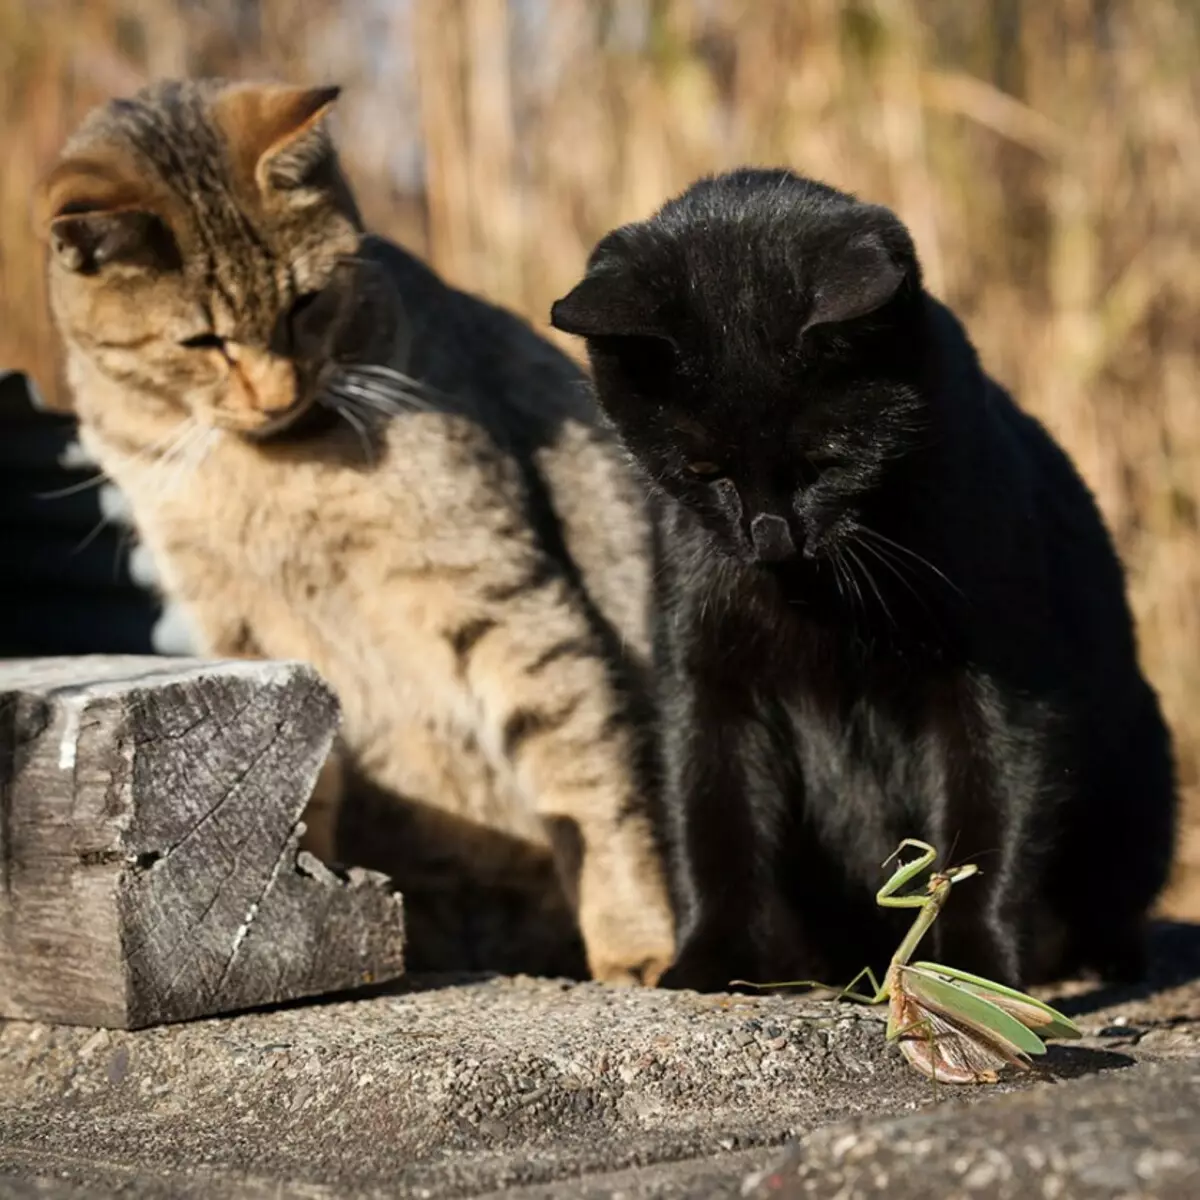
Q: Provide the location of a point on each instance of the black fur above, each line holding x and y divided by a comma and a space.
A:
889, 606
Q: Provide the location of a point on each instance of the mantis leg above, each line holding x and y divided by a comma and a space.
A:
924, 1026
921, 1023
880, 994
886, 896
929, 901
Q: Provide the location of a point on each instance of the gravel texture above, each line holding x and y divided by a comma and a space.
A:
535, 1088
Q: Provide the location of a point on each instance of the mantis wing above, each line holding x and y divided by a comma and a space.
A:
1047, 1022
944, 1050
981, 1017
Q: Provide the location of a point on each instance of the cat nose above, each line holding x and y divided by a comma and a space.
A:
772, 538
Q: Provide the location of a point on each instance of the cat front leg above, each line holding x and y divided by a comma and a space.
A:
731, 921
998, 807
555, 714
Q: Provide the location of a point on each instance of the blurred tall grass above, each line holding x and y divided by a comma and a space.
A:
1045, 153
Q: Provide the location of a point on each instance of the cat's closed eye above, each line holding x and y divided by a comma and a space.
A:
704, 470
203, 341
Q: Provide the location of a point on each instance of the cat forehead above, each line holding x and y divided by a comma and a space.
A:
201, 137
752, 223
166, 129
743, 263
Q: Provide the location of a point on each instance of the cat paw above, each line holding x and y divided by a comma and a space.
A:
627, 972
625, 913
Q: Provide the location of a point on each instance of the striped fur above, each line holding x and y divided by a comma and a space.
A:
335, 457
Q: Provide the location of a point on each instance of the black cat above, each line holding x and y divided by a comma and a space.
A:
888, 605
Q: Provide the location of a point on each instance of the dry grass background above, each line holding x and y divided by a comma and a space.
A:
1045, 153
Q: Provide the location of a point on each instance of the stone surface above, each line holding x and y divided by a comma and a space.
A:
149, 827
531, 1088
1134, 1134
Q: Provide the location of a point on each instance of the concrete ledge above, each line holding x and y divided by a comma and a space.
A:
540, 1089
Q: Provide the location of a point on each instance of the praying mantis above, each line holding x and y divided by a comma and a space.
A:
951, 1026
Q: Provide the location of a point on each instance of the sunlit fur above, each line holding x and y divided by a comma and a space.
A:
889, 606
335, 457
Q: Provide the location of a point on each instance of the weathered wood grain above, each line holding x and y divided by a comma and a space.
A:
149, 821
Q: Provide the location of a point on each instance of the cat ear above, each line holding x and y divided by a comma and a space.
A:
275, 131
608, 302
863, 277
93, 210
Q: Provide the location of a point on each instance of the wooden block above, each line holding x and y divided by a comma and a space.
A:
149, 820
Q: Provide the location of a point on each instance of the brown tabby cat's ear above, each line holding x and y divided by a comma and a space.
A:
94, 210
274, 131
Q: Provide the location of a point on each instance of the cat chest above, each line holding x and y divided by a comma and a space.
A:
859, 752
326, 575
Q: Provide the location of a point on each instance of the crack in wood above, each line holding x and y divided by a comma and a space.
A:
251, 913
102, 923
230, 792
165, 991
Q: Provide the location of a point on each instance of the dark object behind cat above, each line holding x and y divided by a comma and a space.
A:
889, 605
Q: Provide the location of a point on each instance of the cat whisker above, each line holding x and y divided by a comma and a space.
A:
360, 429
895, 565
357, 411
204, 449
407, 398
837, 576
874, 533
851, 578
389, 400
163, 464
185, 457
862, 566
91, 536
390, 380
167, 445
165, 449
392, 376
73, 489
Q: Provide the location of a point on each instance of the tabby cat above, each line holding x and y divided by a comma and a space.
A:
335, 457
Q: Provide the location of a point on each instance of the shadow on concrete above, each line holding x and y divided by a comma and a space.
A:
476, 899
1174, 962
1064, 1061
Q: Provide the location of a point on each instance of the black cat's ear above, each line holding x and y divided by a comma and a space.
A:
608, 302
863, 276
93, 210
276, 132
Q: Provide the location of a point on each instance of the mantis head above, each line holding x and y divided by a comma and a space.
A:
958, 874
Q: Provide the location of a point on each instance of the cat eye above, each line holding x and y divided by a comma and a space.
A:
704, 470
204, 341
